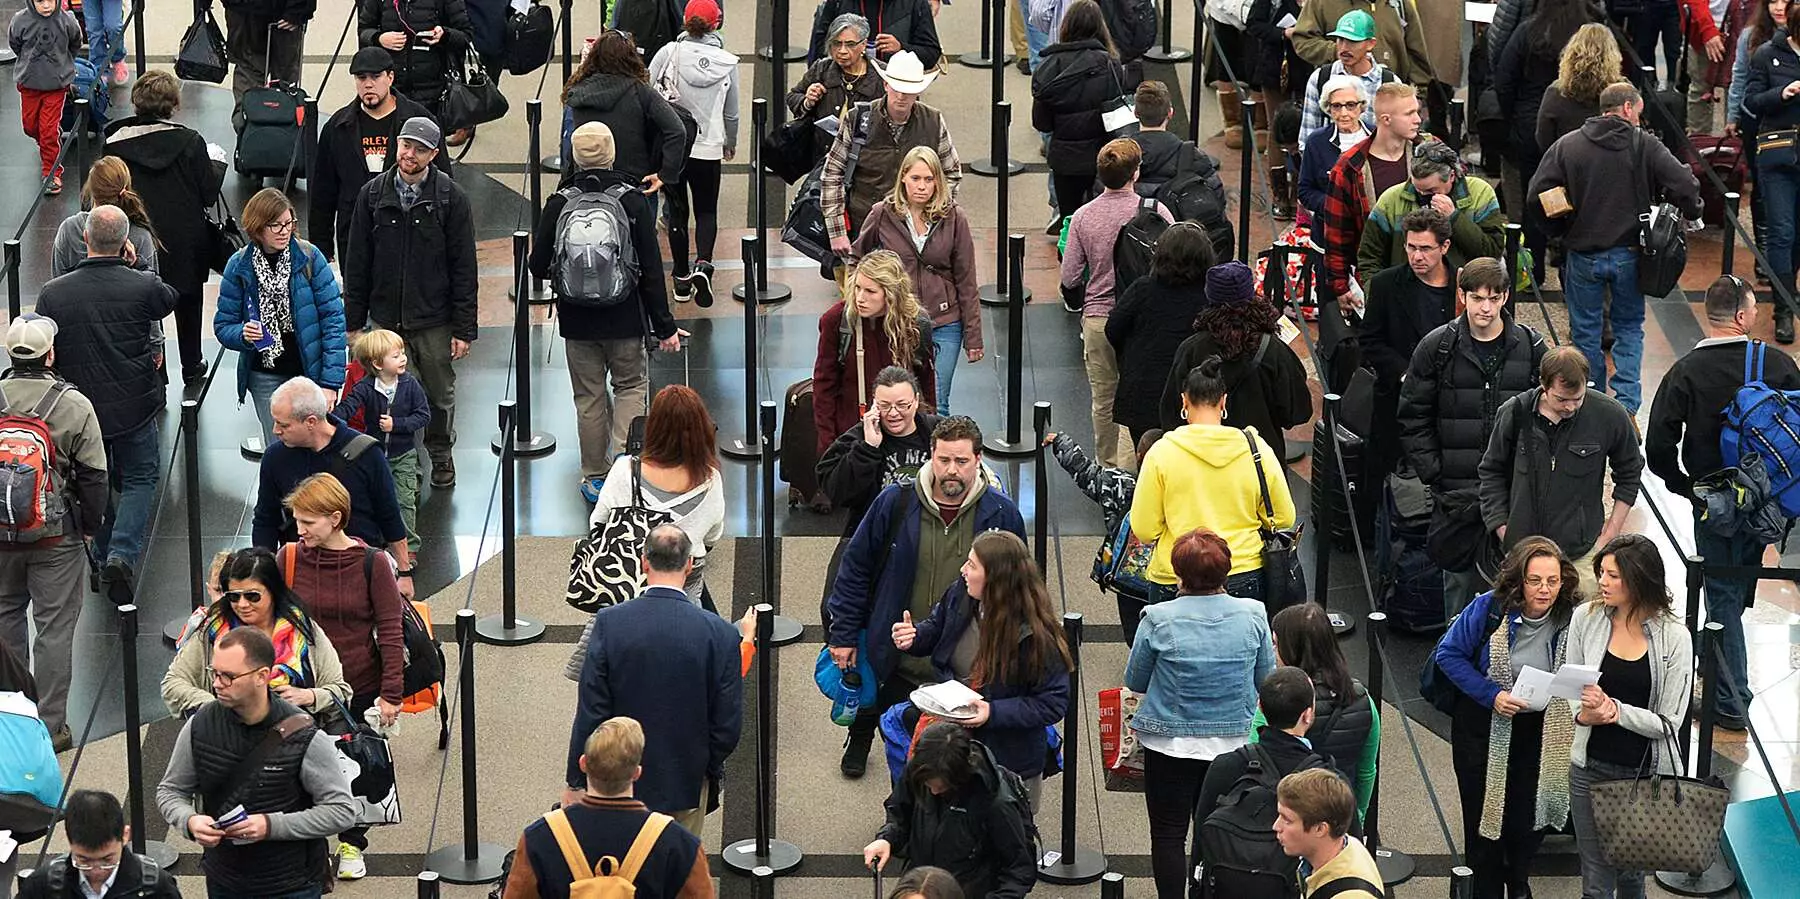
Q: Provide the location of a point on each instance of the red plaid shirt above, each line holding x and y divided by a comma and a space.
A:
1339, 226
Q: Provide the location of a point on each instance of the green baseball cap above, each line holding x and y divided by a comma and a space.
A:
1355, 25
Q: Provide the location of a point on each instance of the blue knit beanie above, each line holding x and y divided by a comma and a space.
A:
1230, 282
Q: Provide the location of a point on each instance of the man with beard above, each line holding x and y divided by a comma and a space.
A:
909, 549
411, 269
357, 143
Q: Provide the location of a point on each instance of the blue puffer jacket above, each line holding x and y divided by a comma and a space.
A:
1462, 653
856, 603
318, 313
1017, 712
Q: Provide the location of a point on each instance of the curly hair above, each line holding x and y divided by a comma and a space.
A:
1509, 587
1237, 327
1589, 62
901, 321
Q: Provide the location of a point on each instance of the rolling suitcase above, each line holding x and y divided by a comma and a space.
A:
1412, 584
800, 449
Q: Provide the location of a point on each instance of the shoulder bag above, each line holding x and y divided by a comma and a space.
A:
202, 55
470, 97
1659, 822
1662, 237
605, 569
1283, 582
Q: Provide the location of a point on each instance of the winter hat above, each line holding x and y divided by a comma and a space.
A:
592, 145
1230, 282
704, 10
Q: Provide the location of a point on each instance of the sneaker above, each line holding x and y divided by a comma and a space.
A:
590, 489
855, 762
62, 741
684, 288
115, 581
1055, 226
193, 374
54, 186
443, 471
119, 73
702, 280
350, 863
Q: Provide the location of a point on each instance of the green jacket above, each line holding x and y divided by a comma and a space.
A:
1478, 228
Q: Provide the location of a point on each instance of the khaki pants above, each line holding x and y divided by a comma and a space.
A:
591, 364
1700, 112
1103, 381
1015, 29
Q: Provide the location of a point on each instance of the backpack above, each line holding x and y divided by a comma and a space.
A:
1136, 246
1662, 238
1765, 421
529, 39
1132, 24
1193, 197
32, 508
1240, 857
613, 879
87, 86
596, 263
1435, 686
149, 878
28, 770
1123, 563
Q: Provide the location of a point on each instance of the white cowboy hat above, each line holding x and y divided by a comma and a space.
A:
905, 73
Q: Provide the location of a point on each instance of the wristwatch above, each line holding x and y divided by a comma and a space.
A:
406, 572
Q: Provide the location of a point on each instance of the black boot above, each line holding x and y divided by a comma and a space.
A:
1784, 327
855, 762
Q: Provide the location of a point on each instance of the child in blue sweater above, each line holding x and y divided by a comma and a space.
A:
394, 411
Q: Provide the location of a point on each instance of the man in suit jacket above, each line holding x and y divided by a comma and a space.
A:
666, 662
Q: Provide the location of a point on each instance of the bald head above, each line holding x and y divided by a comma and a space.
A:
107, 228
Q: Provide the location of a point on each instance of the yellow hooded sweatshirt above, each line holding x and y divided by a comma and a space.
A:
1203, 476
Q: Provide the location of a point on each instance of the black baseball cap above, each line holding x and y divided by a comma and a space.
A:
371, 61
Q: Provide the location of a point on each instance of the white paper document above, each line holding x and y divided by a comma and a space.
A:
1536, 688
1480, 12
1532, 687
950, 699
1571, 678
1287, 21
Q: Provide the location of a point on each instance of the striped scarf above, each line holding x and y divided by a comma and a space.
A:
293, 650
1553, 762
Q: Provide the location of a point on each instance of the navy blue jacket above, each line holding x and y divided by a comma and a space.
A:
374, 509
1017, 712
676, 668
411, 411
1462, 653
1315, 167
856, 603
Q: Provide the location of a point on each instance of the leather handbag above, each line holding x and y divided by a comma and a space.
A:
1283, 582
470, 98
1659, 822
202, 54
224, 235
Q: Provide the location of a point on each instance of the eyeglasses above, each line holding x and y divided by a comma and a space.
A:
83, 864
847, 45
1536, 582
1345, 106
282, 227
233, 597
220, 677
895, 408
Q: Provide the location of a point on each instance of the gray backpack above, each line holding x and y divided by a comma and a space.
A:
596, 263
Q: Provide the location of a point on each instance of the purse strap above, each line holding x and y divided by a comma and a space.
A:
1262, 524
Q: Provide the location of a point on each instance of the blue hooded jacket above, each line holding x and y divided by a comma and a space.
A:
1462, 654
318, 313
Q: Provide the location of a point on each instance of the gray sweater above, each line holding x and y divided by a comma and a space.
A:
46, 46
333, 810
1671, 658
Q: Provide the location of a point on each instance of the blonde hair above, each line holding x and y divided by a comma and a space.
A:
1590, 61
613, 752
939, 205
901, 321
262, 209
374, 345
322, 495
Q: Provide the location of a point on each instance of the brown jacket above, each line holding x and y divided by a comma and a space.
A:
943, 275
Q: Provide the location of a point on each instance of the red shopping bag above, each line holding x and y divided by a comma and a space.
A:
1120, 753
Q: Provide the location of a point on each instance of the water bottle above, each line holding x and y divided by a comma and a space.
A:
843, 710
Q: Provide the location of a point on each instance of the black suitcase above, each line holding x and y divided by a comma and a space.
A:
800, 449
1329, 497
271, 135
1412, 583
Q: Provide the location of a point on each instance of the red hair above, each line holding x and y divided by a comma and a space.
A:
679, 433
1202, 560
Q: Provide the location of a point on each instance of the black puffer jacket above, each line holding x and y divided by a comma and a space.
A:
298, 12
1146, 326
982, 834
419, 68
104, 312
1448, 402
341, 171
412, 269
1069, 89
178, 181
647, 134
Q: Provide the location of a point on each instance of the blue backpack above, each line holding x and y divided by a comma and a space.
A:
87, 86
1122, 565
1765, 421
27, 761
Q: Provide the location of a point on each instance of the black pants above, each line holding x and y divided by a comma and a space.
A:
1171, 796
1072, 191
357, 836
187, 329
699, 188
893, 691
1503, 866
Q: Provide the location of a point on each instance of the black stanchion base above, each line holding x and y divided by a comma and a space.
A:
493, 631
1173, 54
787, 630
1296, 450
741, 857
534, 296
793, 54
994, 295
172, 631
1714, 880
162, 853
252, 448
1341, 624
1396, 867
776, 292
528, 446
745, 449
452, 867
551, 164
1085, 866
998, 446
984, 61
985, 167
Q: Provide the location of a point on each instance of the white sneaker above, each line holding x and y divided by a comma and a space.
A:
350, 863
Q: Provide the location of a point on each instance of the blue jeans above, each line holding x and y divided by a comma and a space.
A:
1725, 601
262, 386
133, 466
948, 341
1035, 40
1780, 189
1599, 880
1585, 281
105, 21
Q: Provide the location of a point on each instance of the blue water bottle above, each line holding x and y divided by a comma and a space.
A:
849, 701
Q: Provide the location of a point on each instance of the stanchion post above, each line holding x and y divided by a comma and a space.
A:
526, 441
758, 281
994, 27
784, 630
1462, 882
82, 123
747, 448
1040, 425
555, 163
190, 472
1112, 885
778, 34
534, 137
162, 853
1246, 162
137, 35
996, 294
507, 628
1395, 866
1070, 863
763, 850
1458, 116
1515, 235
12, 279
993, 46
1013, 444
1324, 506
1728, 258
428, 885
470, 861
1196, 71
1166, 51
762, 882
309, 137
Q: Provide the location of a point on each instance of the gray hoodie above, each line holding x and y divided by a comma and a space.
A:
704, 73
46, 47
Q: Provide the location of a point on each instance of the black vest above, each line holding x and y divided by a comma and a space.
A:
1341, 740
220, 740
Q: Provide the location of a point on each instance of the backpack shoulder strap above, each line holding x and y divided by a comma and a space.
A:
1332, 888
571, 847
1753, 362
48, 401
642, 846
356, 447
285, 559
369, 568
1446, 345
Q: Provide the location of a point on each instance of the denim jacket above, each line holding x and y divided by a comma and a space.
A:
1197, 660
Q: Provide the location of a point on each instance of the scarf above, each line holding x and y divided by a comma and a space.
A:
275, 306
293, 650
1553, 762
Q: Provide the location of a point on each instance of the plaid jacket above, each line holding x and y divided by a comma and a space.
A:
834, 180
1339, 227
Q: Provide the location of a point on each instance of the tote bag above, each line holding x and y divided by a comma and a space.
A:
1659, 822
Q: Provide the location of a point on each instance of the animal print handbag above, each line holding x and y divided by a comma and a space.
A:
606, 569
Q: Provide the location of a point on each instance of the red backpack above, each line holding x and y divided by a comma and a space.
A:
32, 508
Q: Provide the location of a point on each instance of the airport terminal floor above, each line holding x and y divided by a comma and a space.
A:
523, 705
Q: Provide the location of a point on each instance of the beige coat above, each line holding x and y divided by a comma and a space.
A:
186, 685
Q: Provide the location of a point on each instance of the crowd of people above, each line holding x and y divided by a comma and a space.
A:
347, 342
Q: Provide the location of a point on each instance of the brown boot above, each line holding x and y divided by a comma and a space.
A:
1261, 123
1233, 114
1281, 193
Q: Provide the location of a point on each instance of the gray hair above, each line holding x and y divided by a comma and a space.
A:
667, 549
304, 399
851, 21
107, 229
1435, 158
1342, 83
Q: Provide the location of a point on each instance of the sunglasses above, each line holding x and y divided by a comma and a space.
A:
233, 597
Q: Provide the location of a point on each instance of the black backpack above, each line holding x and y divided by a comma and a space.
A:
530, 36
1197, 195
1662, 238
1132, 24
1240, 858
1136, 246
